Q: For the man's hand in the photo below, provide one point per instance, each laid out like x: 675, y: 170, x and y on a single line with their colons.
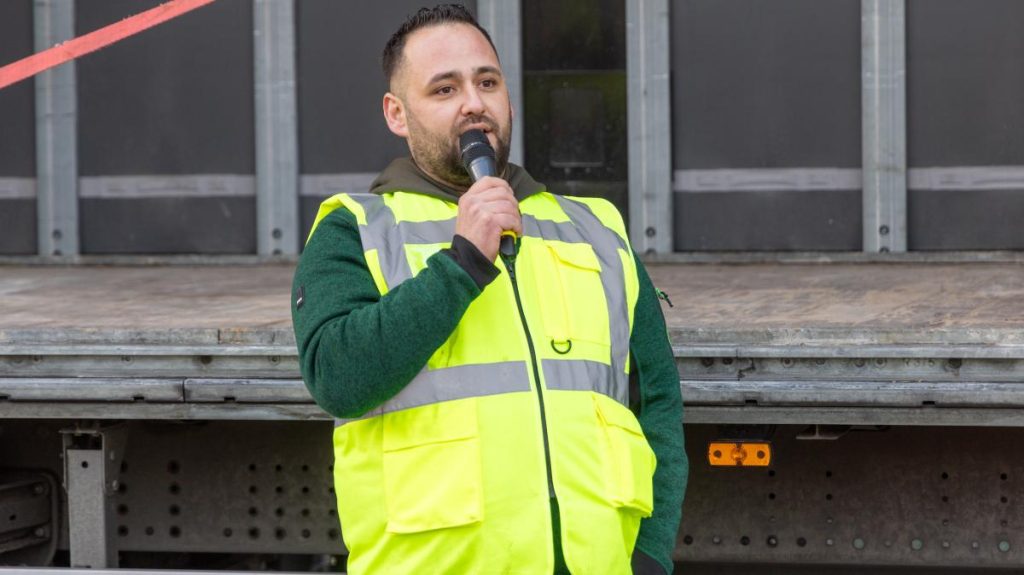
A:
x: 488, y: 208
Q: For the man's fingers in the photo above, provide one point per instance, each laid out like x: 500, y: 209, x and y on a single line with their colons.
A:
x: 509, y: 222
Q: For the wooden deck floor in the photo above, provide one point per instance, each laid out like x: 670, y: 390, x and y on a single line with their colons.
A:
x: 787, y: 304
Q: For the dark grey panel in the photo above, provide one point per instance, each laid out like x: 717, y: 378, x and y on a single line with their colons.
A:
x: 898, y: 496
x: 176, y: 99
x: 751, y: 221
x: 766, y: 83
x: 965, y: 83
x: 965, y: 220
x: 212, y: 225
x: 340, y: 83
x: 17, y: 226
x: 574, y: 35
x: 17, y: 102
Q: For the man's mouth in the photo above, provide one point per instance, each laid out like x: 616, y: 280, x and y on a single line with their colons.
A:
x: 485, y: 127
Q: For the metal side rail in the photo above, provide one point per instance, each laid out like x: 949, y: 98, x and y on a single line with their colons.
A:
x: 95, y: 381
x: 853, y: 384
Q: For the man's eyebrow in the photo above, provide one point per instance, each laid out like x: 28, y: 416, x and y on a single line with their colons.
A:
x: 454, y: 74
x: 443, y: 76
x: 487, y: 70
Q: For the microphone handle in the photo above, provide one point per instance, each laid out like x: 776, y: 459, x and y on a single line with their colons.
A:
x: 507, y: 247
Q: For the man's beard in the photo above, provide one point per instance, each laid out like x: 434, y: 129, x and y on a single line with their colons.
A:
x: 439, y: 154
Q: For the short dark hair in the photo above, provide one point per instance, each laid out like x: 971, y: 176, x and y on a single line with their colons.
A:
x: 440, y: 14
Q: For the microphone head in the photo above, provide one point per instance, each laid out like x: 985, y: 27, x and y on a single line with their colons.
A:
x: 474, y: 145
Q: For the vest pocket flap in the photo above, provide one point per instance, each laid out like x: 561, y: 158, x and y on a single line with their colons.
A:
x: 577, y: 255
x: 630, y: 462
x: 435, y: 423
x: 613, y: 413
x: 432, y: 467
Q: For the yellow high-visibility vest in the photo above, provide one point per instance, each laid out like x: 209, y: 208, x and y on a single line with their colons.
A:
x: 526, y: 400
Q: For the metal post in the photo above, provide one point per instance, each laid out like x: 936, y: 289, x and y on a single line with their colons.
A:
x: 277, y: 157
x: 89, y: 530
x: 92, y: 461
x: 650, y: 126
x: 503, y: 21
x: 56, y: 135
x: 883, y: 81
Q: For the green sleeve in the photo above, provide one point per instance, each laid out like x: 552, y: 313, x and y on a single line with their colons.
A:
x: 661, y: 417
x: 356, y: 348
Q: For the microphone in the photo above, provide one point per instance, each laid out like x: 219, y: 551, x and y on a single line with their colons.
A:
x: 479, y: 161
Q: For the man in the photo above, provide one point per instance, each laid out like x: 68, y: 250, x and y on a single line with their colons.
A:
x: 484, y: 400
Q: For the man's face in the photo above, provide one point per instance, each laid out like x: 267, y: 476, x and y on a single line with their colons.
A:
x: 449, y: 82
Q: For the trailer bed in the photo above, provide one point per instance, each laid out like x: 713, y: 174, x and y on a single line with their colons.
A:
x: 777, y: 343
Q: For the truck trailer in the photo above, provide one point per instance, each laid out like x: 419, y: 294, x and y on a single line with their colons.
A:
x: 829, y: 194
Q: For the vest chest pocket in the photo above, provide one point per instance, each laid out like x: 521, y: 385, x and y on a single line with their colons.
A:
x: 432, y: 470
x: 629, y: 460
x: 572, y: 297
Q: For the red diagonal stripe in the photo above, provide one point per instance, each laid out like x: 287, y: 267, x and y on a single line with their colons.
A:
x: 61, y: 53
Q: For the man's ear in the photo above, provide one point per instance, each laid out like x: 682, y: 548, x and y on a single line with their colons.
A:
x: 394, y: 115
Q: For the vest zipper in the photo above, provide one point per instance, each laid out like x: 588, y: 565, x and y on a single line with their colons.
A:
x: 510, y: 265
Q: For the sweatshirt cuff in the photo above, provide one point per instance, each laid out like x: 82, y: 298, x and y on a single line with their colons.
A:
x: 643, y: 564
x: 472, y: 260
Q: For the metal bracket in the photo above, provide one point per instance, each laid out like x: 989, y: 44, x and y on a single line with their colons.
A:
x: 28, y: 517
x: 823, y: 432
x: 92, y: 464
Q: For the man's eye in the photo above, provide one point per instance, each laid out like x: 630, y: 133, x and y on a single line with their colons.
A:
x: 489, y: 83
x: 445, y: 90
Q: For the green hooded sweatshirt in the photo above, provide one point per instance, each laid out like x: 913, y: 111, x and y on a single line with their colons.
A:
x: 357, y: 349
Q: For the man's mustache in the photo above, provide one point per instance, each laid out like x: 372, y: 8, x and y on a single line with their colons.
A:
x: 469, y: 121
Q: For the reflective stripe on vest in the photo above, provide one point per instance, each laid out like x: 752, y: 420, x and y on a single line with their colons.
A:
x: 392, y: 240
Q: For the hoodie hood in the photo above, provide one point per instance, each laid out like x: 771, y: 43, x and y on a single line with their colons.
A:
x: 403, y: 175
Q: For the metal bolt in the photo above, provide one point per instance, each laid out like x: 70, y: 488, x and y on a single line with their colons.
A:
x: 883, y: 250
x: 858, y: 543
x: 39, y: 489
x: 916, y: 544
x: 828, y: 520
x: 975, y: 545
x: 945, y: 544
x: 115, y: 484
x: 650, y: 232
x: 956, y: 363
x: 772, y: 541
x: 858, y: 362
x: 716, y: 540
x: 1004, y: 546
x: 39, y: 532
x: 829, y: 542
x: 57, y: 234
x: 887, y: 543
x: 884, y: 230
x: 276, y: 233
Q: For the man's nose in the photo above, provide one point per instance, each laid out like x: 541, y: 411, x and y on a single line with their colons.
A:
x: 473, y: 104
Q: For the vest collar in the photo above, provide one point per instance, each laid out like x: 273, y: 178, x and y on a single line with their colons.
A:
x: 403, y: 175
